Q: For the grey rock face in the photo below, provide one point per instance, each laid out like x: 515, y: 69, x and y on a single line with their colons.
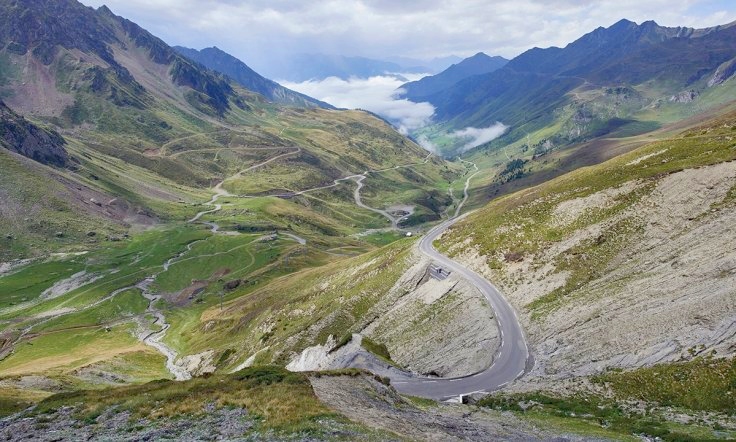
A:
x: 21, y: 136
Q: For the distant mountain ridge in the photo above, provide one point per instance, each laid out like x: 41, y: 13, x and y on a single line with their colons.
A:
x: 478, y: 64
x: 434, y: 65
x: 593, y: 85
x: 305, y: 67
x: 224, y: 63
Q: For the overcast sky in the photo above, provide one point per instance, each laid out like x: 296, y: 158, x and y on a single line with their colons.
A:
x: 258, y: 30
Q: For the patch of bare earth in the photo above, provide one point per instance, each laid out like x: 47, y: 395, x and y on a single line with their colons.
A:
x: 104, y: 205
x: 36, y: 91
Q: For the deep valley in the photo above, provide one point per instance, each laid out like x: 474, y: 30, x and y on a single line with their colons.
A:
x: 192, y: 251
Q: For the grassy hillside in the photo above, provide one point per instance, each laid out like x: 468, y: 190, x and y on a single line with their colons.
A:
x: 148, y: 131
x: 277, y: 320
x: 623, y: 273
x: 264, y: 402
x: 684, y: 401
x: 118, y: 266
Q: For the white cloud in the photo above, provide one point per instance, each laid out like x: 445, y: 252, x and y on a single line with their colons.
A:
x: 378, y: 94
x: 375, y: 94
x: 426, y: 144
x: 476, y: 137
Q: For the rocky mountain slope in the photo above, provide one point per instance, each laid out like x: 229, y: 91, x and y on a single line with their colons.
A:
x: 623, y: 265
x: 20, y: 136
x: 386, y: 296
x: 269, y: 403
x: 478, y: 64
x: 224, y: 63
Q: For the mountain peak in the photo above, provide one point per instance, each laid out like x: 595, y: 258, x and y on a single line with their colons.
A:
x: 220, y: 61
x: 623, y: 23
x: 104, y: 10
x: 478, y: 64
x: 624, y: 33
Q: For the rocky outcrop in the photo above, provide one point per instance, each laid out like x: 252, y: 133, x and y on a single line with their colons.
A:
x: 723, y: 73
x: 198, y: 364
x: 21, y: 136
x: 685, y: 97
x: 365, y: 400
x: 444, y: 328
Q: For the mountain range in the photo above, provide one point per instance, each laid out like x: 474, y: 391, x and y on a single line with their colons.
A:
x: 432, y: 66
x: 627, y: 78
x: 304, y: 67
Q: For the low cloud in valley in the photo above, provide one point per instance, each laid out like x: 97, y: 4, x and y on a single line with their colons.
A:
x: 376, y: 94
x: 475, y: 137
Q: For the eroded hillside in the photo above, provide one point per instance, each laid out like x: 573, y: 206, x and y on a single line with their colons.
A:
x: 622, y: 265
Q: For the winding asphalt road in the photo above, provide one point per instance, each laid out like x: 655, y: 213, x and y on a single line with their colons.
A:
x: 512, y: 359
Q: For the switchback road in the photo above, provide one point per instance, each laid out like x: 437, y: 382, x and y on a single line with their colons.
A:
x: 512, y: 358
